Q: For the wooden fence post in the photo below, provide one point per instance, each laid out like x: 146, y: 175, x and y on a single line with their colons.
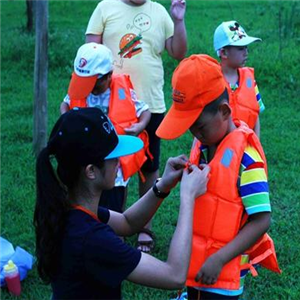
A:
x: 40, y: 113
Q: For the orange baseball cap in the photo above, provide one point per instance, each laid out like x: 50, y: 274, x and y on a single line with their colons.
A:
x: 197, y: 81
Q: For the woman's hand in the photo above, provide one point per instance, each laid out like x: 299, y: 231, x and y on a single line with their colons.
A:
x: 172, y: 173
x: 194, y: 180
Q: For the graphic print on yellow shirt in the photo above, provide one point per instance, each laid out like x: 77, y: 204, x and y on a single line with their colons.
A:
x: 130, y: 43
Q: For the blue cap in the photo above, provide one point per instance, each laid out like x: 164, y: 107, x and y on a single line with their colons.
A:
x: 127, y: 145
x: 231, y: 33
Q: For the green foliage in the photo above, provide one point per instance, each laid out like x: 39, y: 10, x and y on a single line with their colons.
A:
x: 276, y: 62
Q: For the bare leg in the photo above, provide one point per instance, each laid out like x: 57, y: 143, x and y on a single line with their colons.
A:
x: 145, y: 239
x: 143, y: 188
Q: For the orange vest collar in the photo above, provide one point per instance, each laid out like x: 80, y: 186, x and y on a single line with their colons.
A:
x: 79, y: 207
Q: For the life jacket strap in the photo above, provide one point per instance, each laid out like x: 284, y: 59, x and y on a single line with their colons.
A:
x: 256, y: 261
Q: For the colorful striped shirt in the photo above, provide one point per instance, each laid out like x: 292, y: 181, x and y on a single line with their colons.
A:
x: 254, y: 190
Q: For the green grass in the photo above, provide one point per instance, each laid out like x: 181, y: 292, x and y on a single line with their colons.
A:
x: 276, y: 62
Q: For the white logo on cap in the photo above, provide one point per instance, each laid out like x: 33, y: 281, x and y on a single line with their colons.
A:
x: 82, y: 62
x: 107, y: 127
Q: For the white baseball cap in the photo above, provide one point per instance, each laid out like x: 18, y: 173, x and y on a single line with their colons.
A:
x: 93, y: 59
x: 231, y: 33
x: 91, y: 62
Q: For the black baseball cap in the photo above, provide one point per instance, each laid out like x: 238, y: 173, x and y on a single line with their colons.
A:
x: 86, y: 136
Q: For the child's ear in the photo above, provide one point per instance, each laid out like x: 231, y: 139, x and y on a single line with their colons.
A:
x: 225, y: 110
x: 90, y: 171
x: 223, y: 53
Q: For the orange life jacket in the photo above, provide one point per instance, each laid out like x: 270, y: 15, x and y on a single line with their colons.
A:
x: 243, y: 100
x: 122, y: 114
x: 219, y: 213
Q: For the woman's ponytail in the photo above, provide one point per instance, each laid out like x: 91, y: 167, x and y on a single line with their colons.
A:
x: 49, y: 215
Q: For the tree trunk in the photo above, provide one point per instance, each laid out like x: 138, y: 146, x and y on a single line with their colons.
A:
x: 40, y: 117
x: 29, y: 13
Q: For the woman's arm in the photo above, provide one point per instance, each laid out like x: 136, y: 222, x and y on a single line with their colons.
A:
x: 172, y: 273
x: 136, y: 216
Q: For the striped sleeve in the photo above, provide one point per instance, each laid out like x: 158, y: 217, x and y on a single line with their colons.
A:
x: 258, y: 98
x: 254, y: 188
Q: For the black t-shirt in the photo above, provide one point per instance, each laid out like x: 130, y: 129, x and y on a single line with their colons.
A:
x: 94, y: 260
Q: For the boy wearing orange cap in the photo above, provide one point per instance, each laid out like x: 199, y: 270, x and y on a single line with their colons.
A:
x: 231, y: 44
x: 232, y: 217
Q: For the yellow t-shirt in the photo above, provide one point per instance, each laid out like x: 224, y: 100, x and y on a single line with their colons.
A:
x: 136, y: 35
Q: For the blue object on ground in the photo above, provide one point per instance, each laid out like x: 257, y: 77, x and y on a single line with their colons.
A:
x: 20, y: 257
x: 183, y: 296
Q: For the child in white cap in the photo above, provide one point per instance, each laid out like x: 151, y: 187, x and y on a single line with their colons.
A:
x: 93, y: 84
x: 230, y: 43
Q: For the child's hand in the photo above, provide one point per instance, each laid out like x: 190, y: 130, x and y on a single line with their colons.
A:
x: 210, y: 270
x: 177, y: 10
x: 134, y: 129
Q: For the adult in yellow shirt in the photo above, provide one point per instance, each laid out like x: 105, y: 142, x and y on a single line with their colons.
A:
x: 137, y: 32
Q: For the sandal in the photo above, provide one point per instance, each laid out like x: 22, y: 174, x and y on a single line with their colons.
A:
x: 141, y: 245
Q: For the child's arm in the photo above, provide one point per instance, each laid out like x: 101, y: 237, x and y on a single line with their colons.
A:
x: 138, y: 127
x: 257, y: 127
x: 64, y: 107
x: 93, y: 38
x: 176, y: 45
x: 256, y: 226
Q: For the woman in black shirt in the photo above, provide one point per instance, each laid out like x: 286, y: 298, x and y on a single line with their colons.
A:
x: 77, y: 244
